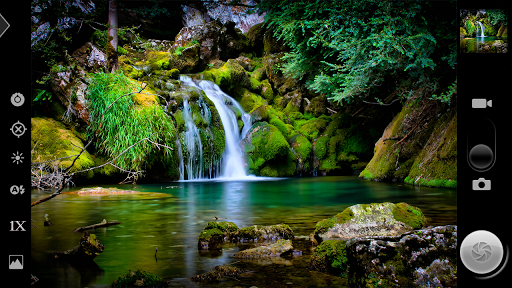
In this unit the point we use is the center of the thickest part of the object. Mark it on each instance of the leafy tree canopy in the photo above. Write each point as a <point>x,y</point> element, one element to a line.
<point>344,48</point>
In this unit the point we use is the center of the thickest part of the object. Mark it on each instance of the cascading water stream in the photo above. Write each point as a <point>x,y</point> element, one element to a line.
<point>482,29</point>
<point>232,164</point>
<point>194,146</point>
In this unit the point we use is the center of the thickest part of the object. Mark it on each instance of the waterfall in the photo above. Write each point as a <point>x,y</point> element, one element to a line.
<point>232,164</point>
<point>194,165</point>
<point>482,29</point>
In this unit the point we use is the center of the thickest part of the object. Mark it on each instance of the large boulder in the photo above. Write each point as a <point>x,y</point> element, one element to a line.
<point>50,139</point>
<point>428,146</point>
<point>90,57</point>
<point>425,258</point>
<point>268,152</point>
<point>70,86</point>
<point>376,219</point>
<point>215,41</point>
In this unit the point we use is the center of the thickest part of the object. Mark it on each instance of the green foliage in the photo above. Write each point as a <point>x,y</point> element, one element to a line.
<point>446,96</point>
<point>126,123</point>
<point>344,48</point>
<point>42,95</point>
<point>497,16</point>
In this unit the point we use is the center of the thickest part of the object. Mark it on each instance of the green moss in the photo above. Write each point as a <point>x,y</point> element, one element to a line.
<point>223,226</point>
<point>280,231</point>
<point>230,77</point>
<point>280,125</point>
<point>250,101</point>
<point>207,235</point>
<point>409,215</point>
<point>139,278</point>
<point>340,218</point>
<point>259,74</point>
<point>50,139</point>
<point>249,233</point>
<point>321,147</point>
<point>437,169</point>
<point>303,149</point>
<point>266,91</point>
<point>269,142</point>
<point>312,128</point>
<point>330,255</point>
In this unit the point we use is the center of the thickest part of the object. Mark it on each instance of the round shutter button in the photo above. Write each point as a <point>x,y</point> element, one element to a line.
<point>481,252</point>
<point>481,156</point>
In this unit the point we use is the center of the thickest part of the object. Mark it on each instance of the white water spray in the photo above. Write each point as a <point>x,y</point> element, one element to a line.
<point>482,30</point>
<point>232,164</point>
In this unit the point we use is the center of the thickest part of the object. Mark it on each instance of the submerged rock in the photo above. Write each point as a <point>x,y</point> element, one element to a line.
<point>215,233</point>
<point>273,250</point>
<point>272,232</point>
<point>216,274</point>
<point>376,219</point>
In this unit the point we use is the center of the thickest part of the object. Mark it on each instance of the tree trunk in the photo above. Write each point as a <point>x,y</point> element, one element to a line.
<point>88,248</point>
<point>112,36</point>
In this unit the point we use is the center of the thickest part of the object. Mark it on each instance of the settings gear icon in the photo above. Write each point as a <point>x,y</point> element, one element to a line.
<point>18,129</point>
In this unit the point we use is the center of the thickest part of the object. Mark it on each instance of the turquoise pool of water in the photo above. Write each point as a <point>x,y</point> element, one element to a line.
<point>173,220</point>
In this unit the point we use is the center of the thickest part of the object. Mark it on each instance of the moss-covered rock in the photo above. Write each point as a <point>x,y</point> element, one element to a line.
<point>50,140</point>
<point>259,233</point>
<point>330,256</point>
<point>279,248</point>
<point>427,157</point>
<point>409,215</point>
<point>250,101</point>
<point>139,278</point>
<point>266,91</point>
<point>216,274</point>
<point>503,31</point>
<point>317,106</point>
<point>407,260</point>
<point>302,148</point>
<point>210,239</point>
<point>228,229</point>
<point>255,35</point>
<point>268,152</point>
<point>229,77</point>
<point>376,219</point>
<point>312,128</point>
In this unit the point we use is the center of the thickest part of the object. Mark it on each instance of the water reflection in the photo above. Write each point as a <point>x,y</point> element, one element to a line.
<point>172,223</point>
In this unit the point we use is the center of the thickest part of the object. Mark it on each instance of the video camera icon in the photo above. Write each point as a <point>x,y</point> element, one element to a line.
<point>481,103</point>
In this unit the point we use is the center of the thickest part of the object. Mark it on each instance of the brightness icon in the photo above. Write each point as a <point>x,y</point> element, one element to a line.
<point>17,157</point>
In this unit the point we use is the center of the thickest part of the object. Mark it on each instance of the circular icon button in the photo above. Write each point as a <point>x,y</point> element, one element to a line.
<point>17,99</point>
<point>481,156</point>
<point>481,252</point>
<point>18,129</point>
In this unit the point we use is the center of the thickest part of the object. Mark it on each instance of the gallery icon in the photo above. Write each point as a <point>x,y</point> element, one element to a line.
<point>17,157</point>
<point>17,99</point>
<point>18,129</point>
<point>15,262</point>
